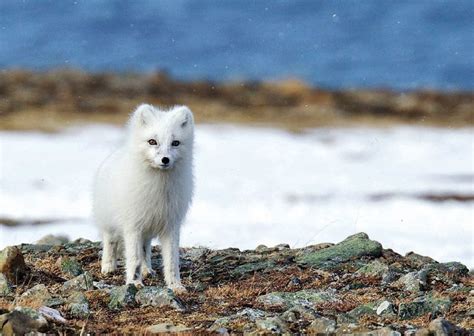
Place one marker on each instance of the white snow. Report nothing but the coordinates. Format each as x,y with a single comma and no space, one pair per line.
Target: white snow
265,186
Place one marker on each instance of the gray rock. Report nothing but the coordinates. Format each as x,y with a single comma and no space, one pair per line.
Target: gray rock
391,276
122,296
22,321
252,267
272,325
385,308
423,305
376,308
53,240
167,328
5,287
102,285
414,281
441,327
247,313
158,297
251,314
261,248
303,297
222,322
81,241
364,309
355,246
52,315
81,282
196,253
456,268
387,331
12,264
70,266
374,268
78,305
418,259
322,325
281,247
299,313
39,295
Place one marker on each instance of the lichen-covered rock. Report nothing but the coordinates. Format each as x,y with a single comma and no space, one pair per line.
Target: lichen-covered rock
5,287
158,297
39,295
381,308
355,296
456,268
273,325
423,305
12,264
249,314
289,299
374,268
81,282
414,281
53,240
70,266
252,267
419,260
299,312
322,326
78,305
442,327
167,328
386,331
122,296
355,246
22,321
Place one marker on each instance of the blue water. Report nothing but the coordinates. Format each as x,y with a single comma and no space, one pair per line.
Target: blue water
337,44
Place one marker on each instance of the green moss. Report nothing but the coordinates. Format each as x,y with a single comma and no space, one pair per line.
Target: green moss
355,246
71,266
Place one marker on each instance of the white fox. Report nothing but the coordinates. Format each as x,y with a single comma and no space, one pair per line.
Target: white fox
144,190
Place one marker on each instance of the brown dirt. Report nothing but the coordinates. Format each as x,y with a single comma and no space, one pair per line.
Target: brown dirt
49,101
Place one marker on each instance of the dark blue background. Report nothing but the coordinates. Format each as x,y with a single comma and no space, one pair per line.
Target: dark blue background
339,44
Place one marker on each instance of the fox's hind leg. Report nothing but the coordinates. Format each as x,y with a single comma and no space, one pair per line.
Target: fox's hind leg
146,261
109,254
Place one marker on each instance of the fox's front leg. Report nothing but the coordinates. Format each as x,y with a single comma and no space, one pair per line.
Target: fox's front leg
146,261
170,253
133,257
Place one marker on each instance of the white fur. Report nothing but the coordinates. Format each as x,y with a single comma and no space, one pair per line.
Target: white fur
136,198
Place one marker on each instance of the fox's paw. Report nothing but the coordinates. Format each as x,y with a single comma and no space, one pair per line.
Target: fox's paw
147,271
108,268
178,288
136,283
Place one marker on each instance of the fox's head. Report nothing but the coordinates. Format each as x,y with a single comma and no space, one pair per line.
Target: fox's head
162,138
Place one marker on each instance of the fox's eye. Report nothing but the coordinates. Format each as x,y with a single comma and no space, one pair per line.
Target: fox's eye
152,142
175,143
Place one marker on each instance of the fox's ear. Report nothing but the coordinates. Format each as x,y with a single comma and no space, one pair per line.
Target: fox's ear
144,114
184,115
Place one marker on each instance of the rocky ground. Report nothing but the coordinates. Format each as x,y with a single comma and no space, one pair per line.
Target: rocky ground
51,100
353,287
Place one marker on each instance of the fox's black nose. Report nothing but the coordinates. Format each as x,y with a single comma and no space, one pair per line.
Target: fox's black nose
165,160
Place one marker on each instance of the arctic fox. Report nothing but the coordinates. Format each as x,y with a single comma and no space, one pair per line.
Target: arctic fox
144,190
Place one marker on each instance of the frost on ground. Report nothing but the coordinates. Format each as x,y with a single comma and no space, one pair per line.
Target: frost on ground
409,188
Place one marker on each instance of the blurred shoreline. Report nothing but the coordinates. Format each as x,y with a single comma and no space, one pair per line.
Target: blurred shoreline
54,99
